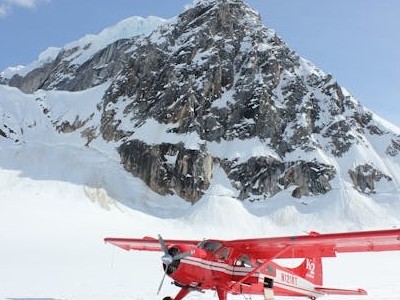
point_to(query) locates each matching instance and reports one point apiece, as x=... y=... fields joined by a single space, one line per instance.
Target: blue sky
x=357 y=41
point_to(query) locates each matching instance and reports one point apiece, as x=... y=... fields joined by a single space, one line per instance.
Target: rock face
x=61 y=75
x=394 y=148
x=212 y=80
x=365 y=176
x=266 y=176
x=218 y=72
x=169 y=168
x=88 y=62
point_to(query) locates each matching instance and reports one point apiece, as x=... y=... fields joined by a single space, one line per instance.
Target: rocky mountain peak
x=218 y=73
x=222 y=10
x=214 y=89
x=186 y=66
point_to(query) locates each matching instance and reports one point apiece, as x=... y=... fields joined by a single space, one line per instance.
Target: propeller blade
x=166 y=259
x=182 y=255
x=163 y=245
x=162 y=281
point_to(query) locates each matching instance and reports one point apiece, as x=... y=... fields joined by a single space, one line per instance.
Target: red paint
x=245 y=266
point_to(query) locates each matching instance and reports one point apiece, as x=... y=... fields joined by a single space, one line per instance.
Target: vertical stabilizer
x=311 y=270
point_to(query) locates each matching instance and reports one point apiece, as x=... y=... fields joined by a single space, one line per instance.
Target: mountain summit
x=214 y=96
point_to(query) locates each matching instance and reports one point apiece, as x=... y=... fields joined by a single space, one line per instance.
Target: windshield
x=210 y=246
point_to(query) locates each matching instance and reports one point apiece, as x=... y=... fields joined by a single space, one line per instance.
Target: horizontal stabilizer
x=332 y=291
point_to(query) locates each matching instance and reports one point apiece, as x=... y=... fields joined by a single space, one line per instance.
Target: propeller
x=162 y=282
x=171 y=257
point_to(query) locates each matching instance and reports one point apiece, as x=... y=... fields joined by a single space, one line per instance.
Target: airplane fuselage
x=249 y=266
x=216 y=270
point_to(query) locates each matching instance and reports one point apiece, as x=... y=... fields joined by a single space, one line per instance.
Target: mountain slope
x=218 y=75
x=81 y=64
x=215 y=89
x=206 y=126
x=52 y=241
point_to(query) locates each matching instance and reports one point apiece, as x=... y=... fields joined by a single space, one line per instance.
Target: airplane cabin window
x=243 y=261
x=223 y=254
x=210 y=246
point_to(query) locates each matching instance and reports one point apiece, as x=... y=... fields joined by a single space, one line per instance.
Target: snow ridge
x=90 y=44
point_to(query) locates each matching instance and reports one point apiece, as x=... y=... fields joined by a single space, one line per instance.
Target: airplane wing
x=312 y=245
x=146 y=243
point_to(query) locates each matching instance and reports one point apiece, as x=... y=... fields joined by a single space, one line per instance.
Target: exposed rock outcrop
x=394 y=148
x=365 y=176
x=85 y=63
x=61 y=74
x=168 y=168
x=268 y=176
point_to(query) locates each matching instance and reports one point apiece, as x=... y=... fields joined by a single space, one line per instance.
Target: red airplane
x=247 y=266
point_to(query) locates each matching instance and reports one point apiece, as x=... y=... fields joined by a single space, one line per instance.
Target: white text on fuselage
x=289 y=279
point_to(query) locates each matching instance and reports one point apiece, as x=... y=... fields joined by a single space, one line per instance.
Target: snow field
x=52 y=231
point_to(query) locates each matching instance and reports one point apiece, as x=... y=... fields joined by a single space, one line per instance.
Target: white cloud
x=3 y=10
x=6 y=6
x=22 y=3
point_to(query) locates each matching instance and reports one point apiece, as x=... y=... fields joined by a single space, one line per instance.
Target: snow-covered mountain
x=212 y=90
x=87 y=62
x=205 y=125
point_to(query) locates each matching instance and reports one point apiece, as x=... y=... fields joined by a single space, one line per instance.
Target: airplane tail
x=311 y=270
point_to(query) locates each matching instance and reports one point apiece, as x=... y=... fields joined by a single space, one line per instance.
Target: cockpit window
x=243 y=261
x=210 y=246
x=223 y=254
